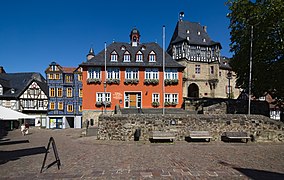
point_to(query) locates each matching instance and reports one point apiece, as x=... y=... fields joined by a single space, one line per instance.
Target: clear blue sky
x=33 y=33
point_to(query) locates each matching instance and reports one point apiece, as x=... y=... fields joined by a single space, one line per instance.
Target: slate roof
x=224 y=63
x=145 y=48
x=188 y=31
x=20 y=82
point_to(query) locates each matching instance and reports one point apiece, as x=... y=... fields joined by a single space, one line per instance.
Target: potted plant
x=94 y=81
x=155 y=104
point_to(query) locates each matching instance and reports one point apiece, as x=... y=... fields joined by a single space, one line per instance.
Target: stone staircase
x=155 y=111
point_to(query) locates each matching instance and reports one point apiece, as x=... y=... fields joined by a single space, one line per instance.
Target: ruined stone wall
x=122 y=127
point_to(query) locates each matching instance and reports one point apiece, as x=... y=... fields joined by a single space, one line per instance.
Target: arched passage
x=193 y=90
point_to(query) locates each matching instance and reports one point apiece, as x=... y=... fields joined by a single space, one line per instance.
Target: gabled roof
x=224 y=63
x=19 y=82
x=68 y=69
x=145 y=48
x=193 y=33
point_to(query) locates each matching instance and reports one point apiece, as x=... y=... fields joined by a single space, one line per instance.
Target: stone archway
x=193 y=90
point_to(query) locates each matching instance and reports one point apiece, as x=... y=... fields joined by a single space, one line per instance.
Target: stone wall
x=122 y=127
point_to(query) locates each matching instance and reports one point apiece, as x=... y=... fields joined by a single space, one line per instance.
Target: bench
x=161 y=135
x=234 y=136
x=198 y=135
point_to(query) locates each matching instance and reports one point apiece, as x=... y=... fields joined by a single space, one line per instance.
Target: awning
x=9 y=114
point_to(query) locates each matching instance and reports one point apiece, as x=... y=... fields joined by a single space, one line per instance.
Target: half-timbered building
x=65 y=96
x=25 y=92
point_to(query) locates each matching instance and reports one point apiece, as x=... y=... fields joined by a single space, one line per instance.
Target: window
x=52 y=92
x=126 y=56
x=57 y=76
x=59 y=92
x=51 y=106
x=69 y=92
x=68 y=78
x=151 y=73
x=139 y=56
x=94 y=73
x=171 y=98
x=100 y=97
x=1 y=89
x=80 y=93
x=113 y=56
x=70 y=108
x=60 y=105
x=171 y=73
x=50 y=76
x=113 y=73
x=131 y=73
x=152 y=56
x=211 y=69
x=80 y=108
x=197 y=69
x=155 y=97
x=80 y=77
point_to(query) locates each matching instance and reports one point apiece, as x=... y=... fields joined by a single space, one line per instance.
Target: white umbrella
x=9 y=114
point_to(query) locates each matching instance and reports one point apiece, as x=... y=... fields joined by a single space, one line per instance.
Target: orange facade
x=132 y=95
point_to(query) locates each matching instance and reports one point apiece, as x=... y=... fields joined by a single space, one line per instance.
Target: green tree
x=267 y=19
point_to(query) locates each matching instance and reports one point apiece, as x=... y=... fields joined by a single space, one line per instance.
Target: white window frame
x=113 y=56
x=126 y=57
x=171 y=73
x=139 y=56
x=151 y=73
x=171 y=97
x=101 y=96
x=94 y=73
x=113 y=73
x=152 y=56
x=155 y=97
x=197 y=69
x=131 y=73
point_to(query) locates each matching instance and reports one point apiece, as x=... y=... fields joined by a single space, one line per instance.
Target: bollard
x=137 y=134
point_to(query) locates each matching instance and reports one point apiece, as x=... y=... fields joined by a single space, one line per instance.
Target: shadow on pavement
x=260 y=174
x=6 y=156
x=254 y=173
x=13 y=142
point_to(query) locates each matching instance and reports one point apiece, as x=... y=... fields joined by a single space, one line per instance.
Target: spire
x=181 y=15
x=91 y=54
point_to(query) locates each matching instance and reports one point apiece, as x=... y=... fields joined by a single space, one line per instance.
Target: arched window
x=113 y=56
x=152 y=56
x=139 y=56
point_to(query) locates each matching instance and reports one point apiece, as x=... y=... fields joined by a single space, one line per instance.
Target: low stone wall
x=122 y=127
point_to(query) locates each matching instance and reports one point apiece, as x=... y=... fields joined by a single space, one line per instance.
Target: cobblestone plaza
x=21 y=157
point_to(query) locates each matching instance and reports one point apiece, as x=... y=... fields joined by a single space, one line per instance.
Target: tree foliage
x=267 y=19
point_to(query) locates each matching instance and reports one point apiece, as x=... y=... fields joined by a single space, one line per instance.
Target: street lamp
x=229 y=77
x=250 y=69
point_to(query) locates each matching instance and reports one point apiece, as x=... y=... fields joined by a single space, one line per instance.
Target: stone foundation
x=122 y=127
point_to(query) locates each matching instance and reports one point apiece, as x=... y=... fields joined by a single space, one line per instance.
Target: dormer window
x=139 y=56
x=113 y=56
x=1 y=89
x=152 y=56
x=198 y=33
x=12 y=91
x=204 y=40
x=187 y=31
x=126 y=56
x=143 y=48
x=122 y=48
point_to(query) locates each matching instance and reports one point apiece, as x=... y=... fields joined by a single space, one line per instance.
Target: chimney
x=205 y=28
x=2 y=70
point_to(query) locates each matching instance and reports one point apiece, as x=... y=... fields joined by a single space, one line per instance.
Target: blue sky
x=33 y=33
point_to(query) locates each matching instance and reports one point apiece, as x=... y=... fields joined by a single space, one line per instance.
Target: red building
x=133 y=78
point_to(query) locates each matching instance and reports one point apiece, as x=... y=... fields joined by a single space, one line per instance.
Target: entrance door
x=132 y=100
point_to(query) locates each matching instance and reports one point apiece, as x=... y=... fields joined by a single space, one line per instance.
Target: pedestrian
x=27 y=126
x=23 y=129
x=88 y=124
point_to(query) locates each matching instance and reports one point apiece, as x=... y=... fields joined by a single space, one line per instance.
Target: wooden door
x=132 y=100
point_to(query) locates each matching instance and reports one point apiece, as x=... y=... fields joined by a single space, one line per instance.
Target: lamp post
x=250 y=70
x=105 y=83
x=229 y=77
